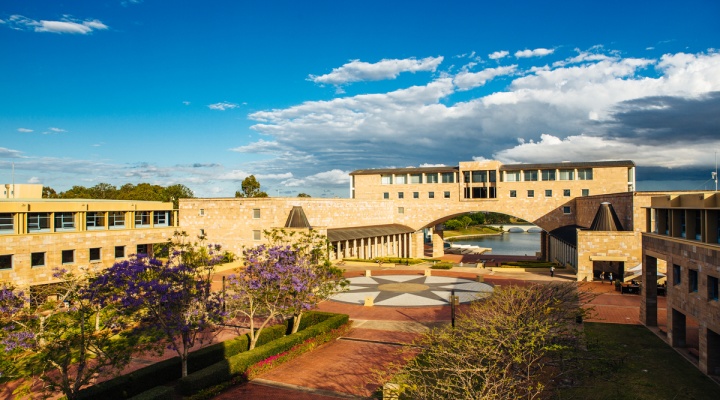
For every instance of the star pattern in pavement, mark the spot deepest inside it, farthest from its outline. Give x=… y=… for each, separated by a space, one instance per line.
x=412 y=290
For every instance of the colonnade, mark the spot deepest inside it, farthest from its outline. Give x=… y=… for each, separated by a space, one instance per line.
x=395 y=245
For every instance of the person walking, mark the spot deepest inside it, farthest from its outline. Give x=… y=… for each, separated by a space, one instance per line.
x=552 y=271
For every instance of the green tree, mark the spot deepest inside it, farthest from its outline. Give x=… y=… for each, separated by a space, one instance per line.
x=76 y=192
x=303 y=195
x=49 y=193
x=103 y=191
x=250 y=188
x=176 y=192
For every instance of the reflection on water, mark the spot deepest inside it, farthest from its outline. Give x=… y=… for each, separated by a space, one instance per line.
x=516 y=244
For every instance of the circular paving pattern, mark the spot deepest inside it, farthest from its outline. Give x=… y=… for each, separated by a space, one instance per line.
x=412 y=290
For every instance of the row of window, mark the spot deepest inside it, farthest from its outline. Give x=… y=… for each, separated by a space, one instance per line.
x=583 y=174
x=401 y=179
x=66 y=221
x=513 y=193
x=38 y=259
x=549 y=193
x=713 y=283
x=415 y=195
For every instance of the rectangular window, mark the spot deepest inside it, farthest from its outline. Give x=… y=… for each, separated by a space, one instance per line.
x=548 y=193
x=512 y=176
x=431 y=195
x=95 y=254
x=567 y=175
x=7 y=223
x=416 y=178
x=64 y=221
x=142 y=218
x=38 y=222
x=386 y=179
x=400 y=179
x=566 y=209
x=256 y=213
x=531 y=175
x=431 y=178
x=68 y=256
x=256 y=235
x=386 y=195
x=513 y=193
x=448 y=177
x=401 y=210
x=446 y=195
x=401 y=195
x=585 y=192
x=479 y=176
x=119 y=251
x=202 y=212
x=37 y=259
x=566 y=192
x=585 y=174
x=116 y=219
x=493 y=176
x=531 y=193
x=161 y=218
x=95 y=220
x=142 y=249
x=692 y=280
x=548 y=174
x=713 y=288
x=416 y=195
x=6 y=261
x=677 y=275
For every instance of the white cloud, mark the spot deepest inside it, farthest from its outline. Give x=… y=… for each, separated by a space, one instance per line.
x=286 y=175
x=357 y=71
x=234 y=175
x=67 y=24
x=9 y=153
x=34 y=180
x=498 y=55
x=57 y=130
x=261 y=146
x=24 y=130
x=333 y=177
x=222 y=106
x=539 y=52
x=469 y=80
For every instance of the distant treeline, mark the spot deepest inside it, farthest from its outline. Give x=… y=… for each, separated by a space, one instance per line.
x=128 y=191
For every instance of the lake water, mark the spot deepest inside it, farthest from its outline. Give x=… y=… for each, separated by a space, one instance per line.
x=516 y=244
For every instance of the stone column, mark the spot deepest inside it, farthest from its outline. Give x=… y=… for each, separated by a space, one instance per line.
x=648 y=297
x=438 y=244
x=417 y=246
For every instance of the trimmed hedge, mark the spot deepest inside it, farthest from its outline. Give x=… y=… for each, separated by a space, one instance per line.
x=442 y=265
x=160 y=373
x=238 y=364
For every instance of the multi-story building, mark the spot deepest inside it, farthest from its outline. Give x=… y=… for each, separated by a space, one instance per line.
x=38 y=235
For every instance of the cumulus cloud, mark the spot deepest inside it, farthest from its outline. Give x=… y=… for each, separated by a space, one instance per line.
x=261 y=146
x=9 y=153
x=333 y=177
x=468 y=80
x=24 y=130
x=67 y=24
x=498 y=54
x=222 y=106
x=540 y=52
x=357 y=71
x=34 y=180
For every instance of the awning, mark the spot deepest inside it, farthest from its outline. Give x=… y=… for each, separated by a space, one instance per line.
x=361 y=232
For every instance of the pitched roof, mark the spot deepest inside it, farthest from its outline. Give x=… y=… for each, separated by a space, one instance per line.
x=606 y=219
x=297 y=218
x=340 y=234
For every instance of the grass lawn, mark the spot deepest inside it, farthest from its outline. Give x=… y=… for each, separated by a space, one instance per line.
x=630 y=362
x=472 y=230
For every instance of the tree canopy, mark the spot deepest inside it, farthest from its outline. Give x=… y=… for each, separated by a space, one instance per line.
x=128 y=191
x=250 y=188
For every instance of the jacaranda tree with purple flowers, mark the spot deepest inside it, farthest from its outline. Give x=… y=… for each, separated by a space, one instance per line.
x=172 y=299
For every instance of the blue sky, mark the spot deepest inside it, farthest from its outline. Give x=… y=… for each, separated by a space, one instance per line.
x=301 y=93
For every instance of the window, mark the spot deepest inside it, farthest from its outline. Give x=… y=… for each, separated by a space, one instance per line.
x=64 y=221
x=161 y=218
x=142 y=249
x=386 y=195
x=401 y=210
x=400 y=179
x=531 y=175
x=38 y=222
x=401 y=195
x=416 y=195
x=386 y=179
x=692 y=280
x=566 y=192
x=68 y=256
x=677 y=276
x=95 y=254
x=512 y=176
x=256 y=213
x=416 y=178
x=548 y=174
x=256 y=235
x=202 y=212
x=119 y=251
x=493 y=176
x=95 y=220
x=713 y=288
x=116 y=219
x=448 y=177
x=548 y=193
x=7 y=223
x=6 y=261
x=142 y=218
x=531 y=193
x=37 y=259
x=585 y=174
x=566 y=209
x=567 y=175
x=431 y=195
x=431 y=178
x=466 y=177
x=585 y=192
x=446 y=195
x=479 y=176
x=513 y=193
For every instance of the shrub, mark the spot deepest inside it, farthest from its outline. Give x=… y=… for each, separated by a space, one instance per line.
x=442 y=265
